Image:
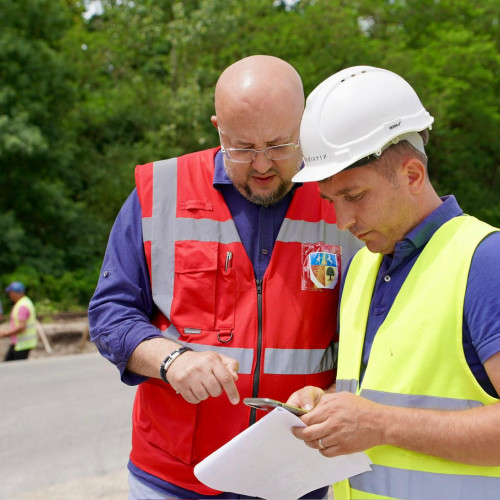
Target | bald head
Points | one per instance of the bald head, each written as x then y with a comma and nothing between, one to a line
256,89
259,103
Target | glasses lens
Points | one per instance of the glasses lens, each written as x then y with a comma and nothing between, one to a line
273,153
281,152
240,155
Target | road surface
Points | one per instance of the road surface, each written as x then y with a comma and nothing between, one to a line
65,427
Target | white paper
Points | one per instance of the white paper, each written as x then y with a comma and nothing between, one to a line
268,461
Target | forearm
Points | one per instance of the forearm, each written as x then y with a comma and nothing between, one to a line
148,356
12,331
469,436
348,423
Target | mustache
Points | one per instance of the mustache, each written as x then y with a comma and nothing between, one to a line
271,170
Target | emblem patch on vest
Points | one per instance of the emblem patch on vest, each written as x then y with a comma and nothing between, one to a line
320,266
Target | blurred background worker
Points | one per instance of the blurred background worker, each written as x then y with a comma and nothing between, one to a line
22,327
418,377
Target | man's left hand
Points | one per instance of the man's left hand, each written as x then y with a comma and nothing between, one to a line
345,423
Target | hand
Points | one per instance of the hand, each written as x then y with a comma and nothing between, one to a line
308,397
346,423
199,375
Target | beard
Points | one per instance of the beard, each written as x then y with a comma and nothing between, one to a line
284,187
265,199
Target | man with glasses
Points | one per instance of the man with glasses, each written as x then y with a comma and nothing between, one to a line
220,275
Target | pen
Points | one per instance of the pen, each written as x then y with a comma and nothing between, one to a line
229,261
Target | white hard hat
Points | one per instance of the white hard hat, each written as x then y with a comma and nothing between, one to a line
354,114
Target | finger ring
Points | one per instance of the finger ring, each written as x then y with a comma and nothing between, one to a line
321,447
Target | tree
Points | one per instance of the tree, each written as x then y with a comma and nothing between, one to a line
83,101
330,272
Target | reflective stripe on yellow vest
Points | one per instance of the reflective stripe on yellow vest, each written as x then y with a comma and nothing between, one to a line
416,361
28,339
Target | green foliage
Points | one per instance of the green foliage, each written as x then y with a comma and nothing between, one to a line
83,101
68,291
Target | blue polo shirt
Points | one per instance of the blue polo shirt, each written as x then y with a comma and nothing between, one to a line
481,325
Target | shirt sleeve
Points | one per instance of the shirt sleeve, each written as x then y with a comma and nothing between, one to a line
23,313
482,298
122,304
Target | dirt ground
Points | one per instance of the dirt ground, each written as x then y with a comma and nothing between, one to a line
63,343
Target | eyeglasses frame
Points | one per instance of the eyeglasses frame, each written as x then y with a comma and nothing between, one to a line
226,151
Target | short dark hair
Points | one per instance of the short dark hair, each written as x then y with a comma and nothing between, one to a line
396,153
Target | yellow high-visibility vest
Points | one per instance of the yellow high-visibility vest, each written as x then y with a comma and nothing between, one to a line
28,339
417,360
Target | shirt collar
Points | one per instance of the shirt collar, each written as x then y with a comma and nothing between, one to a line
418,237
220,174
422,233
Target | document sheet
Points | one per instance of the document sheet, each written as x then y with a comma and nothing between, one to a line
268,461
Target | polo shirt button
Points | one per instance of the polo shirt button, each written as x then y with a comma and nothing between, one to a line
265,251
387,278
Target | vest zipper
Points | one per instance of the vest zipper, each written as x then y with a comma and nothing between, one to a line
256,377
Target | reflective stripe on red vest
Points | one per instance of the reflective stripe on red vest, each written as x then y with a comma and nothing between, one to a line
208,307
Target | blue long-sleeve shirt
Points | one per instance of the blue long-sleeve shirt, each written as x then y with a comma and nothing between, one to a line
122,305
481,325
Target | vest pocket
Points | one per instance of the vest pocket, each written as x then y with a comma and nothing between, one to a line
193,304
226,291
167,420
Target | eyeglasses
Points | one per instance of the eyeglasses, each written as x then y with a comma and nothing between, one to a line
247,155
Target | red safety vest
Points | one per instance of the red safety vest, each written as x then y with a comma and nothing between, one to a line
210,305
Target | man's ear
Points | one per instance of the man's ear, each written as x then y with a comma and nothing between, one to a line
213,119
415,173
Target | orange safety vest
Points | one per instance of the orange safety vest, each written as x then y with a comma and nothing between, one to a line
281,337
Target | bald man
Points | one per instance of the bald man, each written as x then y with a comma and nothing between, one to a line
220,282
